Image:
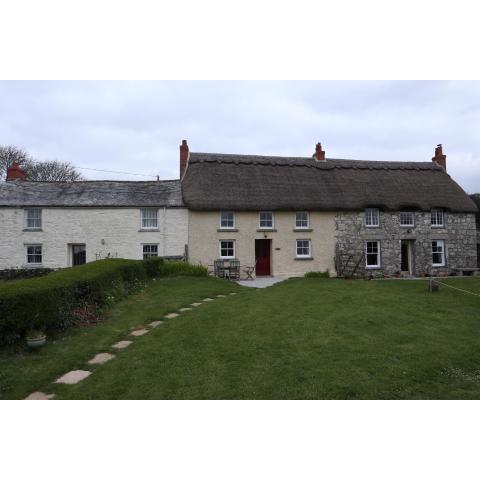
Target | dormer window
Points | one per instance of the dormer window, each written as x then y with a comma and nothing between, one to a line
437,218
372,217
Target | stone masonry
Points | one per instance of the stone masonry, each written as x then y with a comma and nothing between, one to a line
458,232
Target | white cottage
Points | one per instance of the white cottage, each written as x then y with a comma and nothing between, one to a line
61,224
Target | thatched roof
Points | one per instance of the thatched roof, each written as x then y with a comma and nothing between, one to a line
246,182
91,194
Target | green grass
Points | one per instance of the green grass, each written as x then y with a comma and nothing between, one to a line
303,338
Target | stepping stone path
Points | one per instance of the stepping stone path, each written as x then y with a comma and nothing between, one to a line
185,309
196,304
73,377
220,296
171,315
122,344
40,396
233,293
156,323
139,333
100,358
207,300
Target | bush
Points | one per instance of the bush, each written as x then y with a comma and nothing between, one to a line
48,303
325,274
169,269
22,273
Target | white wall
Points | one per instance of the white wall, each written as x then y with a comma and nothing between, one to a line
118,227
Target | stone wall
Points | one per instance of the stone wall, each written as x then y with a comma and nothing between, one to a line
459,234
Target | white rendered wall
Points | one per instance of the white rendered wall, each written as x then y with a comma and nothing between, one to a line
114,231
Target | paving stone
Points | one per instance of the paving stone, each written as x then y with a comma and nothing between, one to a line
139,333
171,315
185,309
196,304
101,358
221,296
73,377
122,344
207,300
155,323
233,293
40,396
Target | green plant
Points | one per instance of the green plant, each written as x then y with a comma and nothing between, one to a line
325,274
169,269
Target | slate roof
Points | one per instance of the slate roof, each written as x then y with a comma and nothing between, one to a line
250,182
103,193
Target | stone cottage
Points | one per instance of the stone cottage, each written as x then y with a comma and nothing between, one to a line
291,215
61,224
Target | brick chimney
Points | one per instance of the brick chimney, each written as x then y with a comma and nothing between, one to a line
184,154
15,172
439,157
319,153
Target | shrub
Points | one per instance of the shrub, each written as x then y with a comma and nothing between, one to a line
22,273
325,274
169,269
48,303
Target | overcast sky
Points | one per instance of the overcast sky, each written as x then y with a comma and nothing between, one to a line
137,126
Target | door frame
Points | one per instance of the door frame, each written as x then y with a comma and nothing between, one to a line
410,257
70,252
269,240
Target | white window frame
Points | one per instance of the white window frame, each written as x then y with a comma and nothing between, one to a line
412,224
146,255
309,243
38,218
379,259
220,248
144,217
223,227
260,221
30,245
443,252
369,216
302,227
435,213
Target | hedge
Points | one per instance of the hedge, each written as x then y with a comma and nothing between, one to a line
22,273
325,274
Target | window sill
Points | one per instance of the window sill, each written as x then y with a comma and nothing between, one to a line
227,229
438,226
303,230
407,226
149,230
303,258
32,230
372,226
377,267
438,266
266,229
32,265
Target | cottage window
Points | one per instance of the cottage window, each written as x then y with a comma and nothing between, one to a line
266,220
438,253
301,220
150,250
33,218
227,248
303,248
437,218
372,217
407,219
227,220
34,254
149,218
372,254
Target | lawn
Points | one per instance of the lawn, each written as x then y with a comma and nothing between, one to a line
303,338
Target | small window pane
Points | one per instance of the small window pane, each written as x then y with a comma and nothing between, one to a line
372,217
227,220
301,220
406,219
437,218
227,248
150,251
149,218
372,253
438,252
303,248
266,220
34,254
34,218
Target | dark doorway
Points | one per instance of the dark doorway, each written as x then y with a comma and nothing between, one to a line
406,256
262,257
478,255
79,255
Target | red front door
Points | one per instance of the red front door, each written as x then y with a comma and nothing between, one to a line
262,257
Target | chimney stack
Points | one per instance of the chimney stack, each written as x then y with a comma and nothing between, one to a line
184,154
439,157
319,153
15,172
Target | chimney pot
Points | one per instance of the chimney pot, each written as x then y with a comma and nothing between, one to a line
15,172
184,155
319,153
439,158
